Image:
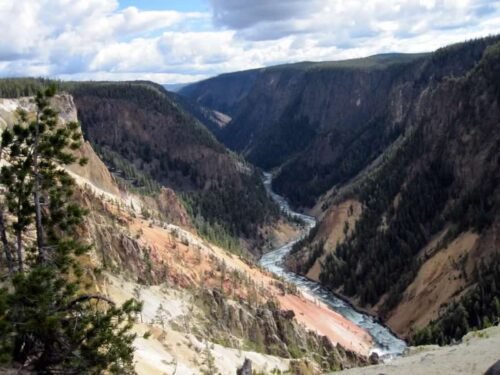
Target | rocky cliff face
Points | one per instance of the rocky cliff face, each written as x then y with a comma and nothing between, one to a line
288,107
430,211
268,328
398,156
201,303
322,123
140,131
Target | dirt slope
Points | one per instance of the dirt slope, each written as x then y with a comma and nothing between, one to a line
438,280
478,351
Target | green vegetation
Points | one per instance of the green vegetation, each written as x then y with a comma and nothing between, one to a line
264,328
274,148
212,231
162,145
367,263
218,235
478,309
418,190
208,362
379,257
127,174
147,140
380,61
239,212
18,87
312,249
302,182
149,97
47,323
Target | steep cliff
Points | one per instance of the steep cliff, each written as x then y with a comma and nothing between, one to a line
322,123
202,304
141,126
223,94
398,157
429,223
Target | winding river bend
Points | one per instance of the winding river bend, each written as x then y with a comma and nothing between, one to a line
387,345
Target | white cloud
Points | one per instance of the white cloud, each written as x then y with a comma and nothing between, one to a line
61,37
95,39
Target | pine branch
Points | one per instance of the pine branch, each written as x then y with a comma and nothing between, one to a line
87,297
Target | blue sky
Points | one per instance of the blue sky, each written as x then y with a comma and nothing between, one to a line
177,5
172,41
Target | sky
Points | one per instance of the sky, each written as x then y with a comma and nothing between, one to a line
176,41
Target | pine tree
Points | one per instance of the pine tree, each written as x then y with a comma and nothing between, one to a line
161,316
3,233
47,323
208,363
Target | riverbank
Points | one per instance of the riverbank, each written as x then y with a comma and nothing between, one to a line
385,343
357,308
317,317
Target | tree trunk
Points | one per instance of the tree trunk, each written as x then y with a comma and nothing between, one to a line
42,256
19,236
6,246
3,236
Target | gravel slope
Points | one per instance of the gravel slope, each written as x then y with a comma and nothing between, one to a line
477,352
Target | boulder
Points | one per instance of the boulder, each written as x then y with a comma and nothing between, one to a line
246,369
494,369
374,359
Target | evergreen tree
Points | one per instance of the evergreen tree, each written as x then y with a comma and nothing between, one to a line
47,323
208,363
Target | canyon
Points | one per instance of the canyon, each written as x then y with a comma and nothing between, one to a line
397,157
308,217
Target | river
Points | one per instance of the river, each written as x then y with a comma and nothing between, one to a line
387,345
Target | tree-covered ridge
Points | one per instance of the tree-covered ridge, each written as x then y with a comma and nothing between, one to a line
386,239
320,124
148,96
19,87
140,124
349,143
442,179
380,61
355,151
149,139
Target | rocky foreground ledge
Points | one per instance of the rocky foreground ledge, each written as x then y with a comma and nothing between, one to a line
477,352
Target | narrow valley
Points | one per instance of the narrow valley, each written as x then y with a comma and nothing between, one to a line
385,344
231,187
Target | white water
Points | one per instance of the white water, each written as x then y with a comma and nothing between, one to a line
387,345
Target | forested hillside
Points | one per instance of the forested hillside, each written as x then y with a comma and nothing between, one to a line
149,140
322,123
437,187
410,145
134,284
144,126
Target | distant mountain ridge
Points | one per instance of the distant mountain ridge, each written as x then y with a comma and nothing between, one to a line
175,87
307,117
